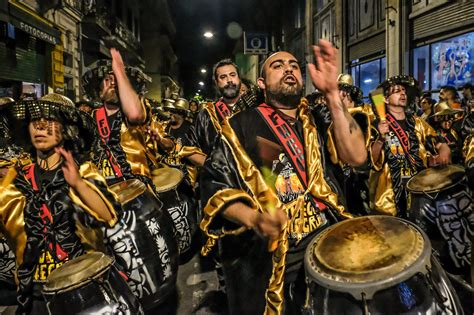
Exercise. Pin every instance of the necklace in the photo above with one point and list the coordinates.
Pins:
(43, 163)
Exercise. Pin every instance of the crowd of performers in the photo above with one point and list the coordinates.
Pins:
(251, 179)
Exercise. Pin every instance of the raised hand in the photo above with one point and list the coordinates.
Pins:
(118, 66)
(324, 72)
(69, 168)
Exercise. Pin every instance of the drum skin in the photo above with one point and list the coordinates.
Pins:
(143, 244)
(445, 214)
(378, 265)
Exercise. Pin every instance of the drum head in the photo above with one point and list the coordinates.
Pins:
(436, 179)
(76, 272)
(166, 178)
(367, 254)
(128, 190)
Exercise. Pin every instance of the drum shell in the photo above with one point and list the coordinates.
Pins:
(181, 206)
(435, 213)
(144, 246)
(414, 296)
(376, 265)
(106, 290)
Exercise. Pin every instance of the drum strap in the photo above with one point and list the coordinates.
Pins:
(45, 213)
(291, 144)
(104, 131)
(401, 135)
(223, 110)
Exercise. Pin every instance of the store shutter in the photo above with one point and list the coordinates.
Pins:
(22, 65)
(371, 46)
(443, 20)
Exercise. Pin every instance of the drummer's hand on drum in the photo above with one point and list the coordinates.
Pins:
(444, 156)
(70, 168)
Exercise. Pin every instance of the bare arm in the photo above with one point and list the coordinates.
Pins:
(85, 193)
(131, 104)
(197, 159)
(265, 224)
(348, 136)
(377, 146)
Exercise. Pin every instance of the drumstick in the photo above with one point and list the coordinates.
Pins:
(269, 177)
(379, 101)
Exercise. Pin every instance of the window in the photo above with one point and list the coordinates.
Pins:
(368, 75)
(299, 14)
(68, 59)
(447, 62)
(421, 66)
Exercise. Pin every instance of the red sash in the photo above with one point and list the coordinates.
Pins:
(223, 110)
(401, 135)
(104, 131)
(290, 142)
(45, 213)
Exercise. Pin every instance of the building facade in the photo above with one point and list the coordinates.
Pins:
(430, 39)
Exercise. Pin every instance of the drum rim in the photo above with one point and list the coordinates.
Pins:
(163, 190)
(141, 188)
(50, 291)
(429, 191)
(369, 288)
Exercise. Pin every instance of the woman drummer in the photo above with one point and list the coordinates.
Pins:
(45, 209)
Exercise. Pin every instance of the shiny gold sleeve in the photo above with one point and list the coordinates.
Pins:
(218, 202)
(468, 148)
(93, 179)
(12, 204)
(381, 195)
(187, 151)
(423, 129)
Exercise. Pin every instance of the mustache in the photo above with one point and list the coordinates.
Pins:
(230, 86)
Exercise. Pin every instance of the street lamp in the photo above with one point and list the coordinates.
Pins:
(201, 83)
(208, 35)
(203, 70)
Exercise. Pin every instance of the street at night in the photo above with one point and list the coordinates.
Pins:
(234, 157)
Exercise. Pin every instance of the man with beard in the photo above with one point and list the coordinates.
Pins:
(121, 119)
(269, 181)
(400, 149)
(207, 124)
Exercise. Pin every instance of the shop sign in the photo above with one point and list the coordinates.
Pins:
(37, 33)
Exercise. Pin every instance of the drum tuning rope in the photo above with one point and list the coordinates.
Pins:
(366, 307)
(437, 294)
(308, 296)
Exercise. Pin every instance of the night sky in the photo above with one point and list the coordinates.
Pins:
(192, 19)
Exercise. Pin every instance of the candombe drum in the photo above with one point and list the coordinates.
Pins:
(376, 265)
(89, 284)
(177, 199)
(440, 203)
(143, 244)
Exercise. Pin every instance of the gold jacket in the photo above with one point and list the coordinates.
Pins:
(382, 198)
(12, 204)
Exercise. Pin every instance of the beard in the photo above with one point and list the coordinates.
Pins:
(110, 97)
(284, 95)
(230, 90)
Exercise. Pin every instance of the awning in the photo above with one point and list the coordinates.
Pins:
(33, 24)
